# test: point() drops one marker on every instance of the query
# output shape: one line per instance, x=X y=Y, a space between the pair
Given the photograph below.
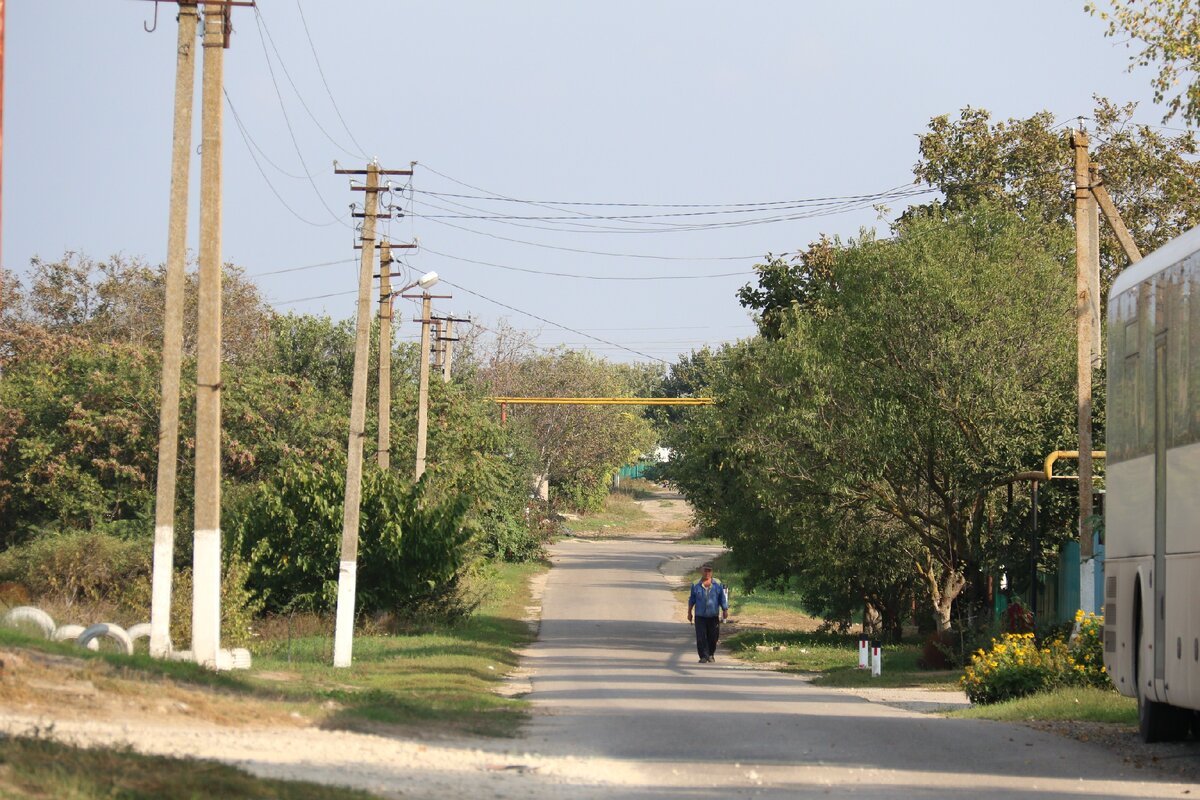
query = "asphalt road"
x=615 y=678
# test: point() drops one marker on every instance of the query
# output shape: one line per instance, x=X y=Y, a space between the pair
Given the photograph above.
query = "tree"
x=1169 y=31
x=121 y=300
x=577 y=447
x=1025 y=165
x=881 y=422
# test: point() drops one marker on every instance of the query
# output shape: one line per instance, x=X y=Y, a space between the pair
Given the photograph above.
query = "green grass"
x=777 y=619
x=621 y=513
x=835 y=657
x=1082 y=703
x=38 y=768
x=440 y=681
x=444 y=678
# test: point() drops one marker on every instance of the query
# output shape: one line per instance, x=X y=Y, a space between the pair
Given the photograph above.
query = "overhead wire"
x=247 y=140
x=262 y=23
x=328 y=91
x=426 y=249
x=554 y=324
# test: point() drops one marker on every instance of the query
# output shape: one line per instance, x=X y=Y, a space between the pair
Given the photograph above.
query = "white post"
x=876 y=660
x=864 y=652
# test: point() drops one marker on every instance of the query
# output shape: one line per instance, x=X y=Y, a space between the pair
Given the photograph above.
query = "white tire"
x=68 y=633
x=109 y=630
x=34 y=616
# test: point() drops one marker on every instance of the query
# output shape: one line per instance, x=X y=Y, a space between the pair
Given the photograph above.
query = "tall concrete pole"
x=423 y=389
x=448 y=353
x=168 y=416
x=384 y=454
x=343 y=634
x=1085 y=220
x=206 y=558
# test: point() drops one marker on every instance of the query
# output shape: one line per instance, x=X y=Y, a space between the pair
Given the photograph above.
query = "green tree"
x=1026 y=165
x=1169 y=31
x=577 y=447
x=895 y=403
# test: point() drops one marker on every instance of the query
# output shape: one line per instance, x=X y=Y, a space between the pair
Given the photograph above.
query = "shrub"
x=1017 y=665
x=1087 y=651
x=412 y=548
x=76 y=567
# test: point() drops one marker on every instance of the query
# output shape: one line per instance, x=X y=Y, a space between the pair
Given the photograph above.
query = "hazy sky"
x=646 y=102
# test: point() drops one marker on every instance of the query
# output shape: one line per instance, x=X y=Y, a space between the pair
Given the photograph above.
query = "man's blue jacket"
x=708 y=602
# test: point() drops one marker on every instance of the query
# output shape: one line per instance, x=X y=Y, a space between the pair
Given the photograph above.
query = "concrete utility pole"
x=343 y=635
x=206 y=559
x=168 y=419
x=1084 y=222
x=348 y=566
x=423 y=387
x=383 y=454
x=448 y=350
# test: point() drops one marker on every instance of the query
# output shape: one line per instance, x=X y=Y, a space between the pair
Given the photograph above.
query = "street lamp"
x=425 y=282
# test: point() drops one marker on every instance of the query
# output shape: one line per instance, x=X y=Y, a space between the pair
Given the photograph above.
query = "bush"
x=76 y=567
x=1087 y=651
x=1017 y=665
x=412 y=549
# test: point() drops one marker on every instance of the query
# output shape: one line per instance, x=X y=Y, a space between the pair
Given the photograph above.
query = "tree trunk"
x=944 y=586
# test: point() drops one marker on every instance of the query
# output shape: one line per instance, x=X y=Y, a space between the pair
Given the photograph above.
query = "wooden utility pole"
x=168 y=419
x=383 y=450
x=206 y=551
x=423 y=387
x=343 y=634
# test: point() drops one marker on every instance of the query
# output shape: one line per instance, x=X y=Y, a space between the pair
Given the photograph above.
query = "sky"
x=677 y=117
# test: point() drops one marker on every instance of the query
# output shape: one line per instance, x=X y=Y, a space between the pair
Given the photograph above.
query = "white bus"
x=1152 y=503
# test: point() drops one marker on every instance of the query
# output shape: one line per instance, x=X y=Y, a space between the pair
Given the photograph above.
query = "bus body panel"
x=1128 y=507
x=1182 y=685
x=1152 y=503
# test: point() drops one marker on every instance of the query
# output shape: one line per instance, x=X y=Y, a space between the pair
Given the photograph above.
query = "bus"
x=1152 y=503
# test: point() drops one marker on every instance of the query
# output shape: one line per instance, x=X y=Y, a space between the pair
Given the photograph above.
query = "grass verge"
x=37 y=768
x=772 y=626
x=1084 y=703
x=621 y=513
x=434 y=682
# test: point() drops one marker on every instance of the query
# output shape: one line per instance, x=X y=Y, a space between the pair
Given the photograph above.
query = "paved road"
x=615 y=679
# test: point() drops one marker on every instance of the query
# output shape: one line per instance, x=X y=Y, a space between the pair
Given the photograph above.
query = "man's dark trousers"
x=707 y=631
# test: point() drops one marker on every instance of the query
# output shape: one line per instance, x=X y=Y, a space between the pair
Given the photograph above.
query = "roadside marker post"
x=876 y=660
x=864 y=652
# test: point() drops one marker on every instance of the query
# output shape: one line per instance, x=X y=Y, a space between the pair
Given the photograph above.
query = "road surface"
x=616 y=681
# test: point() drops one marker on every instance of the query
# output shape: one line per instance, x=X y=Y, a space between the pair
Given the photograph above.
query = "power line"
x=802 y=212
x=299 y=269
x=262 y=24
x=729 y=208
x=247 y=140
x=555 y=324
x=321 y=71
x=593 y=252
x=577 y=276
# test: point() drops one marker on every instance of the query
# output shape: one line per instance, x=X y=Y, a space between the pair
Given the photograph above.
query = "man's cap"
x=706 y=565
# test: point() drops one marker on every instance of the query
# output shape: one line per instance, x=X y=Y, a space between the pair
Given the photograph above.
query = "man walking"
x=707 y=599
